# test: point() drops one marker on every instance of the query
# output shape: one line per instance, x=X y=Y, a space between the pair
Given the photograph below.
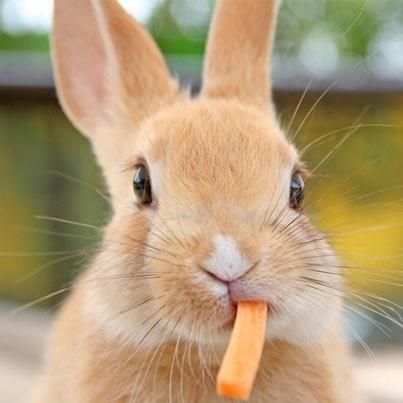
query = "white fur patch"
x=227 y=261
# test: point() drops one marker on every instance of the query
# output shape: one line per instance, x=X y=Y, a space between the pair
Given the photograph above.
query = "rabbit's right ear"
x=238 y=50
x=107 y=67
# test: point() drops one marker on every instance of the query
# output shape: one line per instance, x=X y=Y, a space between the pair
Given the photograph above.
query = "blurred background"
x=338 y=79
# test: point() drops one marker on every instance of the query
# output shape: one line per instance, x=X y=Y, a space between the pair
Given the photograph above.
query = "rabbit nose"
x=226 y=262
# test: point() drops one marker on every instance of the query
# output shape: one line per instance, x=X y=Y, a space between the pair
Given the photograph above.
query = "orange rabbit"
x=207 y=196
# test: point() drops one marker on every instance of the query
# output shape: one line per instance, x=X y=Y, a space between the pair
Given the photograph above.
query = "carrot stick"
x=241 y=360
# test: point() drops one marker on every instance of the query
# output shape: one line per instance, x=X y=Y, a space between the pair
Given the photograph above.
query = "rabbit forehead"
x=215 y=129
x=221 y=143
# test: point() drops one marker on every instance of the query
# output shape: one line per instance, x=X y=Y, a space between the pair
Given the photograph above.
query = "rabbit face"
x=220 y=228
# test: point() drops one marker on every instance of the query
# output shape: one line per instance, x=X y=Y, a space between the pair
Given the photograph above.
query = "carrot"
x=241 y=360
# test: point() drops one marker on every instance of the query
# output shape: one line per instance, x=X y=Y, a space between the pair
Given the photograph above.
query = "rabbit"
x=207 y=210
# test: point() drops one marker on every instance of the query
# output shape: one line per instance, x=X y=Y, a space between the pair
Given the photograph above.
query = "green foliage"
x=180 y=26
x=24 y=42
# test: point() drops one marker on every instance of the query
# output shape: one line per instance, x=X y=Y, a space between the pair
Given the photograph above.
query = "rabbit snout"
x=227 y=262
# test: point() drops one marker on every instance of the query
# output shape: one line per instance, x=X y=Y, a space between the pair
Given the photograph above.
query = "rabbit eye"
x=296 y=191
x=142 y=185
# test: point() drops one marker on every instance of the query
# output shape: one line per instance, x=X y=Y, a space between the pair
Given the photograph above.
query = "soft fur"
x=149 y=320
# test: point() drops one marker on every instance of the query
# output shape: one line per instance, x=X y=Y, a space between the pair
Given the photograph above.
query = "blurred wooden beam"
x=28 y=75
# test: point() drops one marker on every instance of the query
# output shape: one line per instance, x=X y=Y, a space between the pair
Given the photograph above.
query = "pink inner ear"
x=80 y=59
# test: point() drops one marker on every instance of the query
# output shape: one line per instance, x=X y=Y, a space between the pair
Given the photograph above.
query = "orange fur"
x=147 y=321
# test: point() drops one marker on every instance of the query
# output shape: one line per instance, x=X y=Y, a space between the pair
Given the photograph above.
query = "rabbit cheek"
x=308 y=287
x=118 y=287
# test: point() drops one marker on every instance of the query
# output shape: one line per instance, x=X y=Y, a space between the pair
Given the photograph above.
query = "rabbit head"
x=206 y=192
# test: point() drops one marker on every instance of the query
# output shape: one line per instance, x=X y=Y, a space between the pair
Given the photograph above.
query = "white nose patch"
x=226 y=261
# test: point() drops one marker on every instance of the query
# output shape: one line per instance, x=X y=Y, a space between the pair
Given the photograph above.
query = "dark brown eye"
x=142 y=185
x=296 y=191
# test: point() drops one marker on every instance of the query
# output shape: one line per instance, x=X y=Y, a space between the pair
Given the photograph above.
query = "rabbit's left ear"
x=238 y=49
x=106 y=63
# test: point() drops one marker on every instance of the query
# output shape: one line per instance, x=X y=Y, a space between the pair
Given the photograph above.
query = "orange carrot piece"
x=241 y=360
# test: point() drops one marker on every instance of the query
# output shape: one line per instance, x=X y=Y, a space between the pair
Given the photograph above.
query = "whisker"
x=383 y=328
x=65 y=221
x=378 y=311
x=141 y=303
x=360 y=340
x=334 y=149
x=79 y=182
x=37 y=301
x=50 y=253
x=309 y=113
x=56 y=233
x=44 y=266
x=301 y=100
x=368 y=164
